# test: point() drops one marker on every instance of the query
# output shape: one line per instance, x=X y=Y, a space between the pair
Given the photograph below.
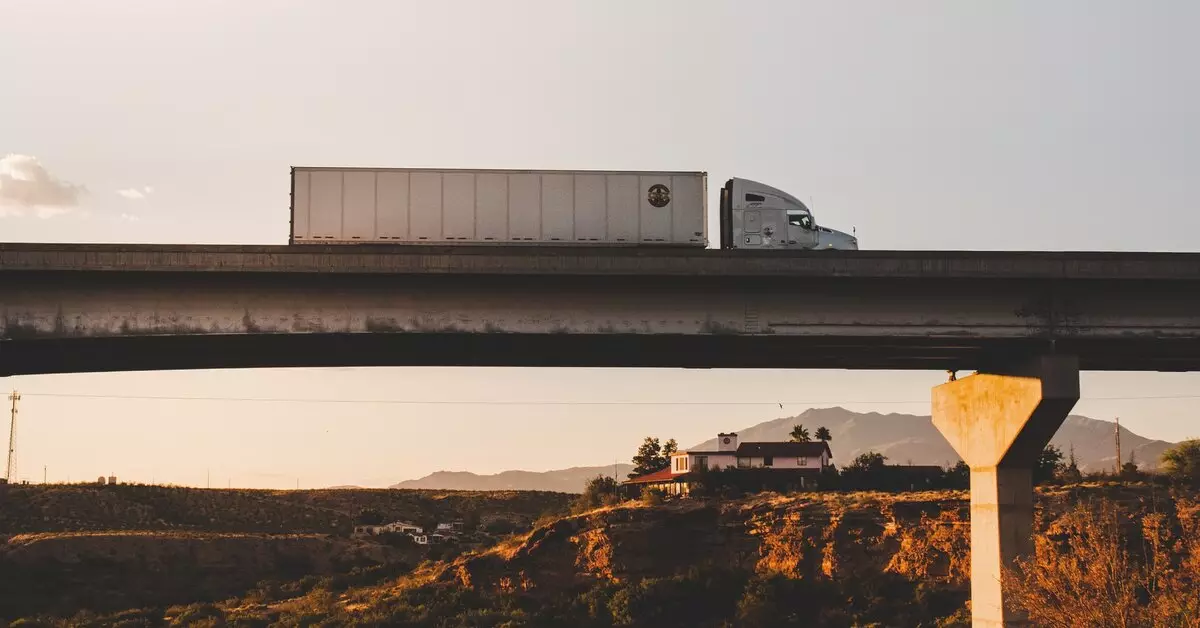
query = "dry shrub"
x=1097 y=567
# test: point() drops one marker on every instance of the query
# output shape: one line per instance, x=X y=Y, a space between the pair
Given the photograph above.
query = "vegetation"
x=1100 y=568
x=800 y=434
x=652 y=456
x=1048 y=465
x=29 y=508
x=600 y=491
x=766 y=560
x=1182 y=462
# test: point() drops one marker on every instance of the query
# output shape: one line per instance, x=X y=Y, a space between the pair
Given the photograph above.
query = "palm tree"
x=800 y=435
x=823 y=434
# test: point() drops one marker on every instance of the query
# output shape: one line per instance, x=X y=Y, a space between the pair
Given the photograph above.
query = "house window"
x=768 y=461
x=702 y=462
x=743 y=463
x=802 y=461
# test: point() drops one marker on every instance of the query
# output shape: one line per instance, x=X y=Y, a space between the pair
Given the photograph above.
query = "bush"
x=600 y=491
x=653 y=497
x=1088 y=575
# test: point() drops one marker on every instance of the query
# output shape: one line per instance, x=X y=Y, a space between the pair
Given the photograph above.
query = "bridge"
x=1028 y=322
x=72 y=308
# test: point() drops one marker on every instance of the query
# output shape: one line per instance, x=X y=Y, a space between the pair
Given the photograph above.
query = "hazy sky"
x=926 y=125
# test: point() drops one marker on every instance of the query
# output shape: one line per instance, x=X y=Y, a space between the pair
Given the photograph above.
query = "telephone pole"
x=12 y=437
x=1118 y=437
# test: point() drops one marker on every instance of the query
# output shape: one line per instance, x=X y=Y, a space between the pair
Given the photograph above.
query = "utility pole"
x=1118 y=435
x=12 y=436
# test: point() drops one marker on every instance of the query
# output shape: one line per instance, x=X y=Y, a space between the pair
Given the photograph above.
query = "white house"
x=403 y=527
x=799 y=458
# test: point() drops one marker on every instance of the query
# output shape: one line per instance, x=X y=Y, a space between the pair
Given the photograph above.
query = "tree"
x=800 y=434
x=958 y=476
x=670 y=448
x=823 y=434
x=369 y=517
x=1049 y=463
x=1182 y=461
x=652 y=457
x=1070 y=473
x=867 y=471
x=600 y=491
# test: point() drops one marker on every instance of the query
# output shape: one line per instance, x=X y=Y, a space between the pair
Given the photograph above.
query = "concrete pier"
x=999 y=422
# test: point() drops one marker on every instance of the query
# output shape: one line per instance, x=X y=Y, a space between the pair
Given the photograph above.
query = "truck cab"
x=758 y=216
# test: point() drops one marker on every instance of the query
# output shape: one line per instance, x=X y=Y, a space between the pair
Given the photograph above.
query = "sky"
x=923 y=125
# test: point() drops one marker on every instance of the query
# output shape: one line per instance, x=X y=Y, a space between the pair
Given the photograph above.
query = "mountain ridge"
x=911 y=438
x=570 y=480
x=903 y=438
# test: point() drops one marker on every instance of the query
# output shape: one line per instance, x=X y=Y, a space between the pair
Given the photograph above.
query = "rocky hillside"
x=767 y=560
x=906 y=438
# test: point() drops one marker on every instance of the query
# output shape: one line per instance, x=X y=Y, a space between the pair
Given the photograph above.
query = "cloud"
x=24 y=182
x=135 y=194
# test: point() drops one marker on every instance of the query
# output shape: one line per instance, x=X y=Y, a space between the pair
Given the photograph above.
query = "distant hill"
x=903 y=438
x=906 y=438
x=563 y=480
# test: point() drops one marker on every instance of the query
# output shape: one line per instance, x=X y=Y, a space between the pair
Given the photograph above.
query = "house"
x=403 y=527
x=397 y=527
x=450 y=528
x=804 y=460
x=368 y=530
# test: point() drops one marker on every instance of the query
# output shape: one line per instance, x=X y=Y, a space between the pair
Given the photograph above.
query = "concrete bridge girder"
x=111 y=305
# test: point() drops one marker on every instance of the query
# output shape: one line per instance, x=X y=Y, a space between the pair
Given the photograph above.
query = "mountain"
x=562 y=480
x=903 y=438
x=907 y=438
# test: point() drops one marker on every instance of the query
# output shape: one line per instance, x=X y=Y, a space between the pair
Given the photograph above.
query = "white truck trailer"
x=544 y=207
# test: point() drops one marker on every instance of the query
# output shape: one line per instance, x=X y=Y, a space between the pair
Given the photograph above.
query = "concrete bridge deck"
x=132 y=307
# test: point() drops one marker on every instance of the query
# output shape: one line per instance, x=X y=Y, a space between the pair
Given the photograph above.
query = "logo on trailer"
x=659 y=195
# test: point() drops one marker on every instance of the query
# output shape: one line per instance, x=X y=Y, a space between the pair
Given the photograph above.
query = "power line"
x=513 y=402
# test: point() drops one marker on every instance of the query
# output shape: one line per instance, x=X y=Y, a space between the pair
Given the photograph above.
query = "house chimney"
x=727 y=442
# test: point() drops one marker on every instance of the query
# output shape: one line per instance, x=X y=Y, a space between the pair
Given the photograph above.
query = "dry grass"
x=1099 y=566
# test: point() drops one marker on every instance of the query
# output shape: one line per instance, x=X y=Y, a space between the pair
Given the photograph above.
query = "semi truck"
x=332 y=205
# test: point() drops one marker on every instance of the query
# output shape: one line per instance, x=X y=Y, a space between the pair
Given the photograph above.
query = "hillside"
x=765 y=560
x=88 y=507
x=563 y=480
x=906 y=438
x=104 y=548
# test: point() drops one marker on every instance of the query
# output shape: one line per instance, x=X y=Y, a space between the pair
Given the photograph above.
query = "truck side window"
x=800 y=220
x=755 y=198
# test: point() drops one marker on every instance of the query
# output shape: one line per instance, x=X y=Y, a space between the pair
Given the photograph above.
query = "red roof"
x=663 y=475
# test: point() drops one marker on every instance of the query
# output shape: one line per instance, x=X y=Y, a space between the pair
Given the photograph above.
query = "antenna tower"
x=12 y=437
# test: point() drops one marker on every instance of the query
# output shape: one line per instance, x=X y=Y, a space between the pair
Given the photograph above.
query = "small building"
x=403 y=527
x=368 y=530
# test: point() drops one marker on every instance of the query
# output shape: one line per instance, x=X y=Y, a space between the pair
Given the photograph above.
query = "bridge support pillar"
x=999 y=421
